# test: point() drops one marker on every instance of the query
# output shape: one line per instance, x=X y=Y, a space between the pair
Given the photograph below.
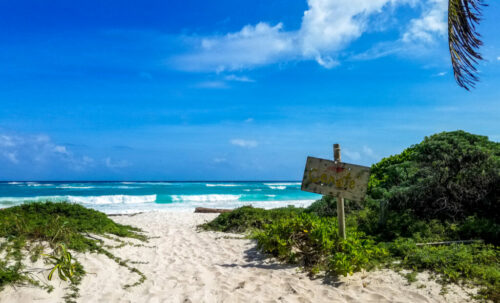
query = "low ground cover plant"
x=31 y=228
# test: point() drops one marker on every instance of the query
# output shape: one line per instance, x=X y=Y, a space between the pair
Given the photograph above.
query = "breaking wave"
x=107 y=199
x=204 y=198
x=280 y=187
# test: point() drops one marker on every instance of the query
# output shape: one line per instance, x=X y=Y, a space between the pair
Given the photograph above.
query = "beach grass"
x=30 y=229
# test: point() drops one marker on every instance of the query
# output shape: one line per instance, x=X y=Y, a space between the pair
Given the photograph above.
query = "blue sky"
x=228 y=90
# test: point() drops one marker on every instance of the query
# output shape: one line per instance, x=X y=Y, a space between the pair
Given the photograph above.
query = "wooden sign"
x=335 y=178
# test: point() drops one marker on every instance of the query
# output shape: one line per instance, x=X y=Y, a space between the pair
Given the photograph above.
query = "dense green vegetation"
x=29 y=229
x=443 y=189
x=249 y=218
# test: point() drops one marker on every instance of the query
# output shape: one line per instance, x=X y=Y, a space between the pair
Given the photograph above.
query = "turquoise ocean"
x=131 y=197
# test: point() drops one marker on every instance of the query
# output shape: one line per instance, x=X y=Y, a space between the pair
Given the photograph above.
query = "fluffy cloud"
x=366 y=152
x=252 y=46
x=38 y=150
x=244 y=143
x=238 y=78
x=116 y=164
x=327 y=28
x=432 y=22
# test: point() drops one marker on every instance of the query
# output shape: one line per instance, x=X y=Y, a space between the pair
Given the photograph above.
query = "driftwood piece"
x=211 y=210
x=128 y=215
x=450 y=242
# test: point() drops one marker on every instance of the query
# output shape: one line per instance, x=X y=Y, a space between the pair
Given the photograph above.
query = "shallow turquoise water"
x=126 y=197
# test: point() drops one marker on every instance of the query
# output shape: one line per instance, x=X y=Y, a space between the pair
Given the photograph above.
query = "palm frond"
x=463 y=40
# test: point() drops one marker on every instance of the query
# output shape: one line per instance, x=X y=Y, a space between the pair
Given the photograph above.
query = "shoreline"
x=183 y=264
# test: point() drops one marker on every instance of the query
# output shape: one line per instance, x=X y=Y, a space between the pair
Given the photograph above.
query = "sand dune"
x=184 y=265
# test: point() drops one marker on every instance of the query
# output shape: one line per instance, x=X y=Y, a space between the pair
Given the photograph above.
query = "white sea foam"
x=271 y=196
x=221 y=185
x=15 y=183
x=284 y=183
x=107 y=199
x=38 y=184
x=112 y=199
x=204 y=198
x=75 y=187
x=126 y=187
x=280 y=187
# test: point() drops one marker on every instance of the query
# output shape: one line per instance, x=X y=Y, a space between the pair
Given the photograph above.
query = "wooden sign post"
x=340 y=199
x=341 y=180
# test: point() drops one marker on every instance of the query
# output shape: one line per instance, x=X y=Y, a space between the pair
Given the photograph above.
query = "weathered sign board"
x=335 y=178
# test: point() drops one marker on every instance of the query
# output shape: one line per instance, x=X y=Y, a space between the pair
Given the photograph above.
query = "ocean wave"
x=221 y=185
x=283 y=184
x=15 y=183
x=75 y=187
x=112 y=199
x=126 y=187
x=204 y=198
x=106 y=199
x=280 y=187
x=38 y=184
x=65 y=186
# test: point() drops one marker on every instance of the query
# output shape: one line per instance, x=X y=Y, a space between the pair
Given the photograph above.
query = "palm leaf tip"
x=463 y=40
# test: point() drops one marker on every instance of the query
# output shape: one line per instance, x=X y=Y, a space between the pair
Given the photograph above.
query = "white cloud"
x=212 y=84
x=252 y=46
x=367 y=151
x=7 y=141
x=249 y=120
x=420 y=35
x=441 y=74
x=432 y=22
x=238 y=78
x=39 y=150
x=116 y=164
x=351 y=155
x=219 y=160
x=498 y=58
x=11 y=156
x=61 y=149
x=327 y=28
x=244 y=143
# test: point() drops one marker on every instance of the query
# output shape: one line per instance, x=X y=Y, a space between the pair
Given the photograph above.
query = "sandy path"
x=189 y=266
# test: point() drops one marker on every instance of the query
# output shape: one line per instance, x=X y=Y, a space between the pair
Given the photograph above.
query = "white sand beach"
x=185 y=265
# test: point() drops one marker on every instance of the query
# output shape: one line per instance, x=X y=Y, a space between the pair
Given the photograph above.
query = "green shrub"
x=314 y=243
x=327 y=207
x=474 y=227
x=476 y=264
x=355 y=253
x=61 y=222
x=248 y=218
x=448 y=176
